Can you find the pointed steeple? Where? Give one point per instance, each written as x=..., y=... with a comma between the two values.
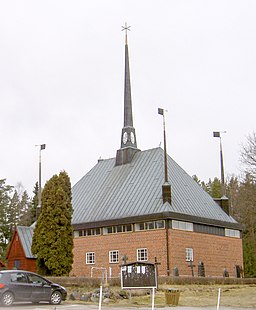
x=128, y=138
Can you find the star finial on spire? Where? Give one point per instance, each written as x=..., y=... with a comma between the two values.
x=126, y=28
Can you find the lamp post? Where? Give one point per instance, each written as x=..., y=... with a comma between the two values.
x=166, y=193
x=161, y=112
x=41, y=147
x=216, y=134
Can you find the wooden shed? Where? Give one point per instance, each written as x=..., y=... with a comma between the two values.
x=19, y=254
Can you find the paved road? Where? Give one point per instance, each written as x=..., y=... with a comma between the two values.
x=65, y=306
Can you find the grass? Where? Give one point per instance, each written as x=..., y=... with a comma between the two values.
x=193, y=295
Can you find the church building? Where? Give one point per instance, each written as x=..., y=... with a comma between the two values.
x=142, y=206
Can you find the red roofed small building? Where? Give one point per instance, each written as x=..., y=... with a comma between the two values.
x=19, y=254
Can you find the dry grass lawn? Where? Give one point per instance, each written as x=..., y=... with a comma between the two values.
x=203, y=296
x=191, y=295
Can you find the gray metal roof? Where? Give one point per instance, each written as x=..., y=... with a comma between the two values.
x=25, y=235
x=109, y=192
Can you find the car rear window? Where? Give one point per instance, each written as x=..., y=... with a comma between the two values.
x=18, y=277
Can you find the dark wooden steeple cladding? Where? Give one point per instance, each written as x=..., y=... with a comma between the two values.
x=128, y=138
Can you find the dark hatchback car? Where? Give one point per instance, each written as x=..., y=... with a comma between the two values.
x=19, y=285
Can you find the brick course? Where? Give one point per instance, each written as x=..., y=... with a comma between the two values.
x=216, y=252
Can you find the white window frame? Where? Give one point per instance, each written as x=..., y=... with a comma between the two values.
x=90, y=258
x=159, y=224
x=76, y=233
x=114, y=257
x=182, y=225
x=189, y=254
x=234, y=233
x=142, y=255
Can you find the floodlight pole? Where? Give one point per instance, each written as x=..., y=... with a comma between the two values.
x=222, y=169
x=166, y=192
x=165, y=154
x=216, y=134
x=161, y=112
x=40, y=178
x=41, y=147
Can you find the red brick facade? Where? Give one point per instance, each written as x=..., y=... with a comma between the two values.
x=16, y=254
x=216, y=252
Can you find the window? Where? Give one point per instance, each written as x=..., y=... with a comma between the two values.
x=142, y=255
x=113, y=256
x=189, y=255
x=139, y=226
x=76, y=233
x=182, y=225
x=18, y=277
x=159, y=224
x=32, y=278
x=117, y=229
x=92, y=232
x=206, y=229
x=17, y=264
x=128, y=227
x=149, y=225
x=232, y=233
x=90, y=258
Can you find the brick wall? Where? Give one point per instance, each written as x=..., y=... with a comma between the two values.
x=216, y=252
x=125, y=243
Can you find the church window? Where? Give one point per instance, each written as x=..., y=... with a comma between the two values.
x=159, y=224
x=119, y=229
x=140, y=226
x=92, y=232
x=232, y=233
x=149, y=225
x=182, y=225
x=189, y=255
x=128, y=227
x=90, y=258
x=207, y=229
x=76, y=233
x=142, y=255
x=114, y=256
x=97, y=231
x=110, y=230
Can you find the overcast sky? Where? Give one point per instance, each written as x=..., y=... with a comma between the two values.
x=62, y=75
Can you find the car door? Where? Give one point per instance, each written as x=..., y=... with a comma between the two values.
x=19, y=286
x=41, y=288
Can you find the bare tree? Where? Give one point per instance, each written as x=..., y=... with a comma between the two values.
x=248, y=154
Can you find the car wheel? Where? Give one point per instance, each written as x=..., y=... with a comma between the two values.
x=7, y=299
x=56, y=298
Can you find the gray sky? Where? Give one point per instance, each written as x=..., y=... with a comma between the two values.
x=62, y=74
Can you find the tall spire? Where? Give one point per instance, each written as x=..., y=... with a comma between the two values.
x=127, y=85
x=128, y=138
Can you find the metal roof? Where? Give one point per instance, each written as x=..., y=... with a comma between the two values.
x=108, y=192
x=25, y=235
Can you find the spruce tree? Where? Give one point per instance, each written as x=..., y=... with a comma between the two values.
x=5, y=201
x=53, y=236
